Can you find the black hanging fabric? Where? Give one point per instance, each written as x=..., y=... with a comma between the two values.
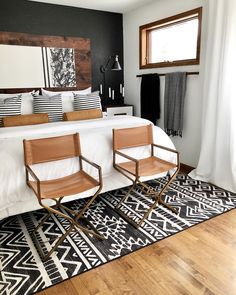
x=175, y=88
x=150, y=97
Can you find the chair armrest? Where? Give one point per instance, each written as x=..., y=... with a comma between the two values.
x=126, y=156
x=31, y=172
x=34, y=176
x=95, y=166
x=169, y=150
x=165, y=148
x=136, y=162
x=90, y=162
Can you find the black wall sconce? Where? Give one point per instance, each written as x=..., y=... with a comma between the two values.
x=115, y=67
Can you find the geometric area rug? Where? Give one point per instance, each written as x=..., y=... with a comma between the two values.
x=23, y=272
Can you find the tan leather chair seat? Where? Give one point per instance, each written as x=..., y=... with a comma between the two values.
x=66, y=186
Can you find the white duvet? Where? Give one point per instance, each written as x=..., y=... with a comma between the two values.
x=96, y=145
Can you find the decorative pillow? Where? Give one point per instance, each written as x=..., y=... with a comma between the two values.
x=50, y=105
x=83, y=115
x=9, y=107
x=67, y=97
x=26, y=102
x=21, y=120
x=87, y=101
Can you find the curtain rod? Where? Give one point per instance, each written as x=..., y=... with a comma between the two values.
x=187, y=73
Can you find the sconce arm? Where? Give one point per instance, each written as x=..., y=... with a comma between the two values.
x=103, y=68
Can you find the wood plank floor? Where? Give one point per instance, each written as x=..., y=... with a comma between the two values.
x=200, y=260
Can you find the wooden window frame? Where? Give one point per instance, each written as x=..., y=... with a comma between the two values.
x=144, y=43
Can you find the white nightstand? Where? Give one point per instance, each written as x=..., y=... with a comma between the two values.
x=116, y=110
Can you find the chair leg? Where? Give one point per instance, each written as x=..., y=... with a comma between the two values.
x=44, y=256
x=43, y=221
x=52, y=211
x=77, y=216
x=120, y=212
x=160, y=201
x=149, y=191
x=72, y=220
x=126, y=195
x=93, y=232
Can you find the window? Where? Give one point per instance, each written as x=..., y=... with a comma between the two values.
x=173, y=41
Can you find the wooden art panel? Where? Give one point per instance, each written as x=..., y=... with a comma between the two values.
x=81, y=46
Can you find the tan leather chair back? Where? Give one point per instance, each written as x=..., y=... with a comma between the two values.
x=132, y=137
x=51, y=149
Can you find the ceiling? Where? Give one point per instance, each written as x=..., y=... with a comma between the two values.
x=120, y=6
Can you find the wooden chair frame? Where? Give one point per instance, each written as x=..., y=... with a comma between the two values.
x=72, y=216
x=145, y=188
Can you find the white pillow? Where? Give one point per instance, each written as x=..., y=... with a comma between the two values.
x=67, y=97
x=26, y=102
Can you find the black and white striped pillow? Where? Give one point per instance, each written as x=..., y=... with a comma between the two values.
x=87, y=101
x=10, y=106
x=50, y=105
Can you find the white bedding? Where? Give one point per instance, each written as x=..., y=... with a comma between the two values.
x=96, y=144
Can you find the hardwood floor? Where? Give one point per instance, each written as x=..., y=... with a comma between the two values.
x=200, y=260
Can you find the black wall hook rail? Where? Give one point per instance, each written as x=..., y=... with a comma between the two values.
x=163, y=74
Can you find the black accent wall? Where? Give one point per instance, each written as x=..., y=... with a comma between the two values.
x=104, y=29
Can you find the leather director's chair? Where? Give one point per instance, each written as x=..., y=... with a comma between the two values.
x=52, y=149
x=134, y=169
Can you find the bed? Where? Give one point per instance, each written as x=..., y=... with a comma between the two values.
x=96, y=144
x=96, y=134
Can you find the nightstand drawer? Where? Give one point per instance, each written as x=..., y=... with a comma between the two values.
x=119, y=110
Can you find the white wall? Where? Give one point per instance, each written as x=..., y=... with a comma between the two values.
x=189, y=144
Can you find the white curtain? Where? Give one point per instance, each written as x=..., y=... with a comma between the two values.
x=217, y=161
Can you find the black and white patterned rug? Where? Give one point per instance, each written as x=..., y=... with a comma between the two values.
x=22, y=271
